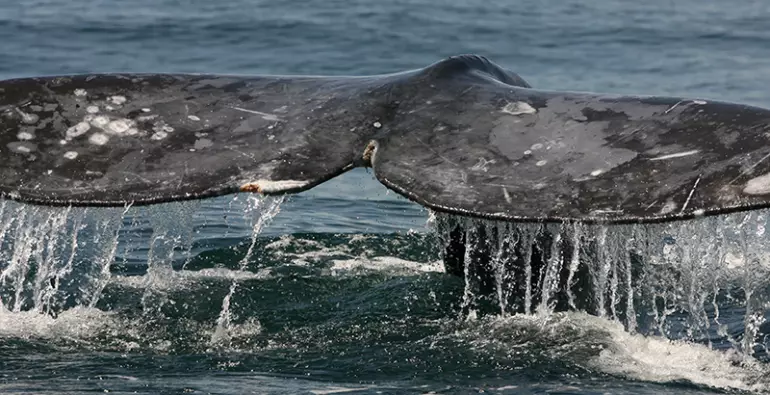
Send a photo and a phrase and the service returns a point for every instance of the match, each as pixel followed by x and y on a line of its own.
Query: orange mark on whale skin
pixel 251 187
pixel 369 152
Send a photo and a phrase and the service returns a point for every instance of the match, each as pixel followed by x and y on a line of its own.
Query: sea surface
pixel 340 289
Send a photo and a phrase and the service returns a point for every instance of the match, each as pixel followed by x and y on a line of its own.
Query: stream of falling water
pixel 41 248
pixel 653 278
pixel 54 258
pixel 669 279
pixel 265 209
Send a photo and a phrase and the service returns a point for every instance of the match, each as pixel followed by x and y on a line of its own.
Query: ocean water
pixel 340 289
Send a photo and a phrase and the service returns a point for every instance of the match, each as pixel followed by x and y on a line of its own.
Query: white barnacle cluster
pixel 161 130
pixel 24 138
pixel 532 151
pixel 518 108
pixel 100 123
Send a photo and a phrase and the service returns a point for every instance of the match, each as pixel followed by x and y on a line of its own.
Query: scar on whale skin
pixel 267 186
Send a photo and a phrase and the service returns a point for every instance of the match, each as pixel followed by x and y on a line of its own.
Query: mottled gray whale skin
pixel 462 136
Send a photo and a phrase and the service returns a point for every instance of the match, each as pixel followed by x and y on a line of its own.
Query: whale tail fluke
pixel 462 136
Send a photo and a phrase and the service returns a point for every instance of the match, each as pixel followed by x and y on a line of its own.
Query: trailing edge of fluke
pixel 461 136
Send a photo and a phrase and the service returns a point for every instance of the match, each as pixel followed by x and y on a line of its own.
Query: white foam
pixel 78 323
pixel 656 359
pixel 287 240
pixel 605 346
pixel 385 264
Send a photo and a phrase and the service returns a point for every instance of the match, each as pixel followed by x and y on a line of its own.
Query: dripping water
pixel 664 279
pixel 44 251
pixel 53 258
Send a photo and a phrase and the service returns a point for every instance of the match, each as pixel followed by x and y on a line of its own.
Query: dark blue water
pixel 344 291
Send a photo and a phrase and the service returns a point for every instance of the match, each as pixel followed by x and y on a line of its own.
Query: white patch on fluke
pixel 507 196
pixel 758 185
pixel 100 121
pixel 606 211
pixel 24 136
pixel 22 149
pixel 119 126
pixel 70 155
pixel 265 116
pixel 117 99
pixel 144 118
pixel 159 135
pixel 518 108
pixel 673 107
pixel 676 155
pixel 98 139
pixel 689 197
pixel 78 130
pixel 28 118
pixel 699 212
pixel 668 207
pixel 482 165
pixel 162 127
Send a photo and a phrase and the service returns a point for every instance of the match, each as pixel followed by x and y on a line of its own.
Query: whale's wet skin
pixel 344 289
pixel 116 290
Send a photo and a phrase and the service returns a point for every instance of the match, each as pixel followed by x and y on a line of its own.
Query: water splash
pixel 42 248
pixel 595 343
pixel 263 210
pixel 667 279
